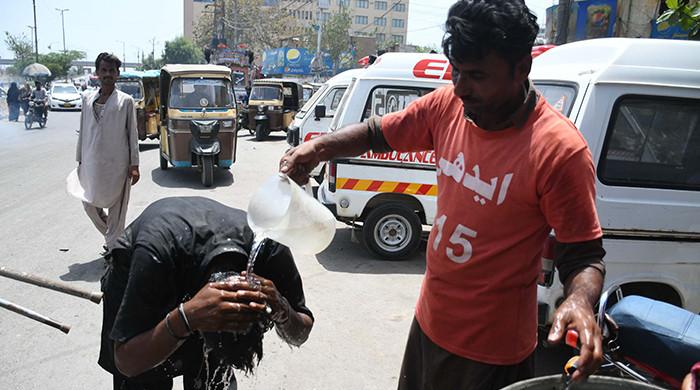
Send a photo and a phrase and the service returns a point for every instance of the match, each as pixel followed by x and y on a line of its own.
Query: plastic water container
pixel 284 212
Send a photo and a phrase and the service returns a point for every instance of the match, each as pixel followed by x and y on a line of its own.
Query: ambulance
pixel 315 116
pixel 392 195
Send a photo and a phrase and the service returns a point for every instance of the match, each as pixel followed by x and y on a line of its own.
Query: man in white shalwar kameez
pixel 107 152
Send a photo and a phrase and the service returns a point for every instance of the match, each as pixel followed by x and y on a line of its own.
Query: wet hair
pixel 474 28
pixel 107 57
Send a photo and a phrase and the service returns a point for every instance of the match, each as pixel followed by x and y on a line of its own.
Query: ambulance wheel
pixel 163 162
pixel 392 231
pixel 207 171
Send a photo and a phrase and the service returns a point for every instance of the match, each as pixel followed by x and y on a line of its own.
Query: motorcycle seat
pixel 658 334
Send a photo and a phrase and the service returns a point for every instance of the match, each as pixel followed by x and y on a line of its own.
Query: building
pixel 193 9
pixel 587 19
pixel 384 20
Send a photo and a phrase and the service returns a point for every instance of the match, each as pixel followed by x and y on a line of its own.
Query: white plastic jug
pixel 283 211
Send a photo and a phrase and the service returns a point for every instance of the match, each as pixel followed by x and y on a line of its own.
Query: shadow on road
pixel 189 178
pixel 89 272
pixel 343 255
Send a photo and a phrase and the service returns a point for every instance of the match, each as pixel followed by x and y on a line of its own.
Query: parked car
pixel 64 96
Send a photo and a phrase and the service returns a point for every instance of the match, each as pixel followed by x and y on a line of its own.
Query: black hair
pixel 108 57
pixel 474 28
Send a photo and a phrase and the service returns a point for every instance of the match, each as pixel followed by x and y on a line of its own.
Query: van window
pixel 332 100
pixel 343 103
pixel 559 96
pixel 312 102
pixel 653 142
pixel 384 100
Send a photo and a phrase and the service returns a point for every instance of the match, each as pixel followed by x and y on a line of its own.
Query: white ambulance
pixel 637 103
pixel 391 194
pixel 315 116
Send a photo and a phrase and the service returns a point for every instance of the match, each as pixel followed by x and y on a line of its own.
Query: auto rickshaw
pixel 143 87
pixel 198 118
pixel 272 105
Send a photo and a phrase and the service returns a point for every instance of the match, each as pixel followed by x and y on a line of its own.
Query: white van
pixel 315 116
pixel 637 103
pixel 391 194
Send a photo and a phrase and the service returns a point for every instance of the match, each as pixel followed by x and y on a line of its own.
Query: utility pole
pixel 36 33
pixel 563 13
pixel 123 55
pixel 63 27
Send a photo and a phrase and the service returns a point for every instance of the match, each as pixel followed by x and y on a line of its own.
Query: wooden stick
pixel 34 315
pixel 50 284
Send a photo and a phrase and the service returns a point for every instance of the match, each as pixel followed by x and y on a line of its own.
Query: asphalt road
pixel 363 307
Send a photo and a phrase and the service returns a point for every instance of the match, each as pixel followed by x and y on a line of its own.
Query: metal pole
pixel 50 284
pixel 63 26
pixel 36 33
pixel 34 315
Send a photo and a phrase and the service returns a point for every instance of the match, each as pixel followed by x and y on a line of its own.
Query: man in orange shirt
pixel 475 323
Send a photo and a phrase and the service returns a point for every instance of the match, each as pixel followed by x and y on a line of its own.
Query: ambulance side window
pixel 383 100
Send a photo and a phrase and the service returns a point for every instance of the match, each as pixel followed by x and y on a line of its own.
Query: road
pixel 363 307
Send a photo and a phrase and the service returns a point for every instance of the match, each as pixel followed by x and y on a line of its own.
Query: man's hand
pixel 299 161
pixel 577 313
pixel 134 174
pixel 268 295
pixel 222 306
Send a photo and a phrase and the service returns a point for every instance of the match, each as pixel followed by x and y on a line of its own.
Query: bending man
pixel 160 311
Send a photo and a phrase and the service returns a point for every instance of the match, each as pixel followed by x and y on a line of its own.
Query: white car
pixel 64 96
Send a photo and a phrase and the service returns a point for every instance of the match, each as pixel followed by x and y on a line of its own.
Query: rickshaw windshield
pixel 260 92
pixel 132 88
pixel 200 93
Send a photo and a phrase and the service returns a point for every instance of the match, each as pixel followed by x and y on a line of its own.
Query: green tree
pixel 59 63
pixel 150 63
pixel 23 50
pixel 335 39
pixel 427 49
pixel 683 13
pixel 182 51
pixel 251 23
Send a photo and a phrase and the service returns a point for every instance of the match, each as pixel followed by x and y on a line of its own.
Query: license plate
pixel 67 105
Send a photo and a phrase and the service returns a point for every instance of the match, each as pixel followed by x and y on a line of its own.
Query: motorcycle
pixel 36 113
pixel 647 340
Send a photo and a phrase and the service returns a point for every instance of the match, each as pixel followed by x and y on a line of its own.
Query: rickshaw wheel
pixel 207 171
pixel 260 132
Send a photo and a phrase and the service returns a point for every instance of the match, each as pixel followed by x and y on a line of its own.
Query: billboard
pixel 595 19
pixel 291 61
pixel 667 31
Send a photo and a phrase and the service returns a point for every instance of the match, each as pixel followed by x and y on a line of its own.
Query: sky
pixel 126 27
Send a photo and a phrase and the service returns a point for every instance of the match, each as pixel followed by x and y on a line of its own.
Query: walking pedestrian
pixel 13 102
pixel 107 152
pixel 475 324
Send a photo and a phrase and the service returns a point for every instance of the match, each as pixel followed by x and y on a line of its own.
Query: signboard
pixel 666 31
pixel 291 61
pixel 595 19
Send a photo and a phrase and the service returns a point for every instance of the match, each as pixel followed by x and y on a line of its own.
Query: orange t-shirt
pixel 499 194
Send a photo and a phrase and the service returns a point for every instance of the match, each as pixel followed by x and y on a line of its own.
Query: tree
pixel 182 51
pixel 335 39
pixel 23 50
pixel 249 22
pixel 684 13
pixel 150 63
pixel 427 49
pixel 59 63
